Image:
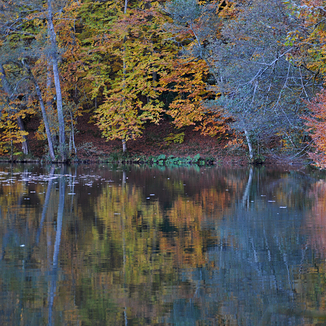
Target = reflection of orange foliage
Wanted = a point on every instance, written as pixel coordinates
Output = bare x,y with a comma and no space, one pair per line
317,219
187,216
124,259
213,201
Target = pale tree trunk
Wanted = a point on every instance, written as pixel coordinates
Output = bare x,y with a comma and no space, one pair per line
72,144
251,154
24,143
48,85
7,88
55,262
49,100
56,76
44,115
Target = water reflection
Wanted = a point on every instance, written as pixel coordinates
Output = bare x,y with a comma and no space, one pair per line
99,245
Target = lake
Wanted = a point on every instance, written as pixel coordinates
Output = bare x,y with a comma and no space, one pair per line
136,245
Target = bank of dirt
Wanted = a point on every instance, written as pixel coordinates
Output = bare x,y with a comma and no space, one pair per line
156,140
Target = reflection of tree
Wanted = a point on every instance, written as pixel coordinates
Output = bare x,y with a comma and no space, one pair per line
185,250
313,278
46,204
316,221
53,285
258,263
22,226
184,239
245,198
118,241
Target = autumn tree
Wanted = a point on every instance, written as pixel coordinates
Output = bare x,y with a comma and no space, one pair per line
186,82
192,78
11,121
11,108
71,73
29,33
265,87
316,123
245,47
310,39
132,98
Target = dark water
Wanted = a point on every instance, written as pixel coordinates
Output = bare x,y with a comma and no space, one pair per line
98,245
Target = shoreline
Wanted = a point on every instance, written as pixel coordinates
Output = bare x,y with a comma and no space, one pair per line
172,161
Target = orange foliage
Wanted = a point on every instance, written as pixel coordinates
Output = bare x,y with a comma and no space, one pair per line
317,128
187,80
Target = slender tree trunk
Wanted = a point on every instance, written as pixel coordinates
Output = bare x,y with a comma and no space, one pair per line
72,133
46,123
44,115
56,76
48,85
251,154
11,151
24,143
49,101
7,88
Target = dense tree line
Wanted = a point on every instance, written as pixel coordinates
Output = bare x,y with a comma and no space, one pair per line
256,67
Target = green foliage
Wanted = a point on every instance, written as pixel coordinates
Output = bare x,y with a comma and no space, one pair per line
196,158
171,160
159,159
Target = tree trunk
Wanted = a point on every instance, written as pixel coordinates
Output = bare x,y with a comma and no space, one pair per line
44,115
124,145
24,143
56,75
46,123
49,101
251,154
72,144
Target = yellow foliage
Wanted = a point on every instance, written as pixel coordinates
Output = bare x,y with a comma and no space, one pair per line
9,133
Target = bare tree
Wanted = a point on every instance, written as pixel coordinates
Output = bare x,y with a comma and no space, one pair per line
250,63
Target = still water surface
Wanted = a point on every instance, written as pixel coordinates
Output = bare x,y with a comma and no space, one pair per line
98,245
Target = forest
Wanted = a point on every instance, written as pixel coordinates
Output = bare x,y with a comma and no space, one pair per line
249,71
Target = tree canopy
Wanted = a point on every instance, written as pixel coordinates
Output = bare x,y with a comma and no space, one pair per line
252,66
